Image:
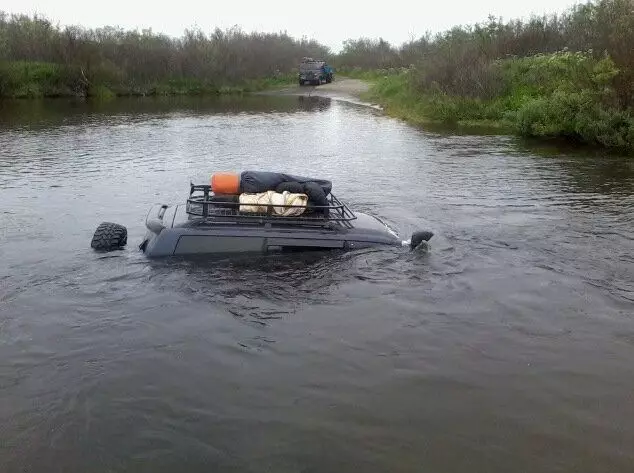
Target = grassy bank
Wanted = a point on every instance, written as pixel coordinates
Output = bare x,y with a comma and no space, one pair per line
565,75
31,79
559,95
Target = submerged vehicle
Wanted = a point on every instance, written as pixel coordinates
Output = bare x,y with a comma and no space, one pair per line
222,218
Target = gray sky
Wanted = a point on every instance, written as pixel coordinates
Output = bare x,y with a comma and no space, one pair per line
328,21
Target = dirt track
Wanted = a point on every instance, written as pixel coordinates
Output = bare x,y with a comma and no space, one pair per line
353,87
340,87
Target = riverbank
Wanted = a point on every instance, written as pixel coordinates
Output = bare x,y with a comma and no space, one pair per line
30,79
551,97
396,98
339,86
578,110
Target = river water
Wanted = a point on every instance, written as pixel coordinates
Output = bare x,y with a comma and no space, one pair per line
508,346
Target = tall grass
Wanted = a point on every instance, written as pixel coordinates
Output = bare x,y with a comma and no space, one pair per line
558,95
24,79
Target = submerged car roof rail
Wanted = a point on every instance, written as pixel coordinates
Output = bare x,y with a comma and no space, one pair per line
205,207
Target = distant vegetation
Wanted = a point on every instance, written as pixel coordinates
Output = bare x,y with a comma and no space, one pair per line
569,76
38,58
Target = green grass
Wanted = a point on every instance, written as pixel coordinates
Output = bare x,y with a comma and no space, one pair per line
24,80
399,99
560,95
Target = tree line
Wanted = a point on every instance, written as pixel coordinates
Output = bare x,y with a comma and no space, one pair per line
463,60
460,61
34,50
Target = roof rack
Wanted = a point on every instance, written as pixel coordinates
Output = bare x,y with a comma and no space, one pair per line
201,205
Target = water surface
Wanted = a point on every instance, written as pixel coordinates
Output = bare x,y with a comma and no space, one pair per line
508,347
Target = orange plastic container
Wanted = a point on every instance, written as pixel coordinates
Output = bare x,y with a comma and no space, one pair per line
225,183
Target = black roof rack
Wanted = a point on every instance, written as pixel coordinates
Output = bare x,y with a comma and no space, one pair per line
201,204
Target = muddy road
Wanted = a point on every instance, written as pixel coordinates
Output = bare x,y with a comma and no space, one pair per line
341,88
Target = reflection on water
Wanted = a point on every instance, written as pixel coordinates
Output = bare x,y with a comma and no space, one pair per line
510,340
314,103
74,111
243,283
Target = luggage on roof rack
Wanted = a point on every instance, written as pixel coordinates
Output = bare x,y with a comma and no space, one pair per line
211,223
202,203
252,182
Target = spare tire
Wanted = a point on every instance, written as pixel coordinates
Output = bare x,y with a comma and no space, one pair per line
420,237
109,236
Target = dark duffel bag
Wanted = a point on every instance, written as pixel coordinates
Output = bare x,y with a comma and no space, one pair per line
316,195
254,182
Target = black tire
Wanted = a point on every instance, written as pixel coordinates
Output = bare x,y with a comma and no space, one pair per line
109,236
420,237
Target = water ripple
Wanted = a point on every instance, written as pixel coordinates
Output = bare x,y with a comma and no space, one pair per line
513,325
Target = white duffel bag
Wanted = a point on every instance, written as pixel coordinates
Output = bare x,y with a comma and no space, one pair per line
257,203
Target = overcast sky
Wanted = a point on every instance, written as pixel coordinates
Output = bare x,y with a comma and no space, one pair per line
329,21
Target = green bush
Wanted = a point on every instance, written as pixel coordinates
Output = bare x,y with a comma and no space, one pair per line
101,92
561,94
23,79
576,116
